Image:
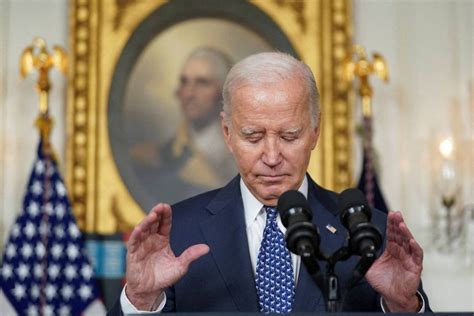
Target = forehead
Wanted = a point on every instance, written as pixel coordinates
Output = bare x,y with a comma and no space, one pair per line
278,104
198,67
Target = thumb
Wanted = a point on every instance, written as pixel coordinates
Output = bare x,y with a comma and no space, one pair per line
191,254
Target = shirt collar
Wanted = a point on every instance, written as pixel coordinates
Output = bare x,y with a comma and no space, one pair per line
252,206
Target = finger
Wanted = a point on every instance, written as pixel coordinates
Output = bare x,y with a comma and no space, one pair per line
152,222
191,254
405,229
144,228
417,252
394,240
165,221
398,233
134,240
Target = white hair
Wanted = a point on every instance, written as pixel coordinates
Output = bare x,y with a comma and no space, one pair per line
268,68
219,60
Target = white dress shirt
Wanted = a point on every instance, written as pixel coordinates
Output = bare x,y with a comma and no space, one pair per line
255,219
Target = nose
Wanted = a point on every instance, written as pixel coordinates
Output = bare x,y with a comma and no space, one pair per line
186,91
272,153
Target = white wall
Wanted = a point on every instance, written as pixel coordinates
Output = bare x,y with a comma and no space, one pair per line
429,49
21,21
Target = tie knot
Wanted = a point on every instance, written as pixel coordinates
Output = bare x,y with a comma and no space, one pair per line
271,213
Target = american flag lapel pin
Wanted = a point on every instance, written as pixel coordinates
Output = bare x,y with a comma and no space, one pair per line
331,228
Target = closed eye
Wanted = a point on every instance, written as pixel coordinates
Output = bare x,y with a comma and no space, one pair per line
253,138
289,138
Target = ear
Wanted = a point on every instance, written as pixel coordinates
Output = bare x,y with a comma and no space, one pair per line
316,132
226,130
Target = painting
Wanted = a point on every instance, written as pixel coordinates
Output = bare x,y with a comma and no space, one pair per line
169,114
144,96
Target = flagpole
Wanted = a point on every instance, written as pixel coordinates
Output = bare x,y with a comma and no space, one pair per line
37,57
362,68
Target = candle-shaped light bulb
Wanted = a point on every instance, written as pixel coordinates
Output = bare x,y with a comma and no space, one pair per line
446,148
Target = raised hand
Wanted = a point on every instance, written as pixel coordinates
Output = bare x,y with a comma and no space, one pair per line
151,264
396,274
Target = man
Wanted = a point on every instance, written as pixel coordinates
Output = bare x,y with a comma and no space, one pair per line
195,159
270,122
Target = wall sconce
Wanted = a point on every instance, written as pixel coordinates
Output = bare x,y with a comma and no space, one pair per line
454,220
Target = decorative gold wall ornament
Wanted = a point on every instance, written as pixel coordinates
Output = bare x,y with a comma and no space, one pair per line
319,32
36,57
362,68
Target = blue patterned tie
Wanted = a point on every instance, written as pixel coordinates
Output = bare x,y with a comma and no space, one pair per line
274,281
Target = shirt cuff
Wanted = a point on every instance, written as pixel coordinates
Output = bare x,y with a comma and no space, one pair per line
128,308
420,298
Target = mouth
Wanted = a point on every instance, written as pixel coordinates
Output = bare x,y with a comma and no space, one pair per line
272,178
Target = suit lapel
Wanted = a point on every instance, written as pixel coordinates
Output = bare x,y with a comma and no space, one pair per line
226,235
324,206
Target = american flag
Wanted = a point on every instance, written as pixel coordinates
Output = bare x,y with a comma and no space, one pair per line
45,270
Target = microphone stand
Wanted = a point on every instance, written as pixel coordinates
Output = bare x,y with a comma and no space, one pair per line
329,282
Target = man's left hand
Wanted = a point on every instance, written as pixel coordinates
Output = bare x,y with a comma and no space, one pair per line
396,274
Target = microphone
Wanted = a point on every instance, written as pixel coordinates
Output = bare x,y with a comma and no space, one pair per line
364,237
302,237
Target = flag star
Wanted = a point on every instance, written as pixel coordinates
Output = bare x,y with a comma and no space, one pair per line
27,251
64,310
74,231
36,188
33,209
43,228
38,271
60,210
85,292
50,291
32,310
15,231
7,271
53,271
11,251
48,208
66,292
48,310
72,251
22,271
39,167
19,291
70,272
40,250
29,230
59,231
86,271
56,251
34,291
60,188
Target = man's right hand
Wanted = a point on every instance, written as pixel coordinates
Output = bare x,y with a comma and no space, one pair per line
151,264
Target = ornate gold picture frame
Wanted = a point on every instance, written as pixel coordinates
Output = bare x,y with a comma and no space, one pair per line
107,38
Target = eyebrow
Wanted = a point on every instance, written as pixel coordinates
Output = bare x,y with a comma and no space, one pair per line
292,131
247,131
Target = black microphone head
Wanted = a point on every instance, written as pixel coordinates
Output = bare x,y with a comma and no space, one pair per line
289,200
355,216
352,197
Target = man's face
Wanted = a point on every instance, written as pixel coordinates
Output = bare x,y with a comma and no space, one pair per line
199,92
271,137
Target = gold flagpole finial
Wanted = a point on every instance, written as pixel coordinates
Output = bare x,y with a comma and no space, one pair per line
36,57
361,67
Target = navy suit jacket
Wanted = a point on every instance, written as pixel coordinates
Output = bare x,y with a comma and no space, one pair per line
224,281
